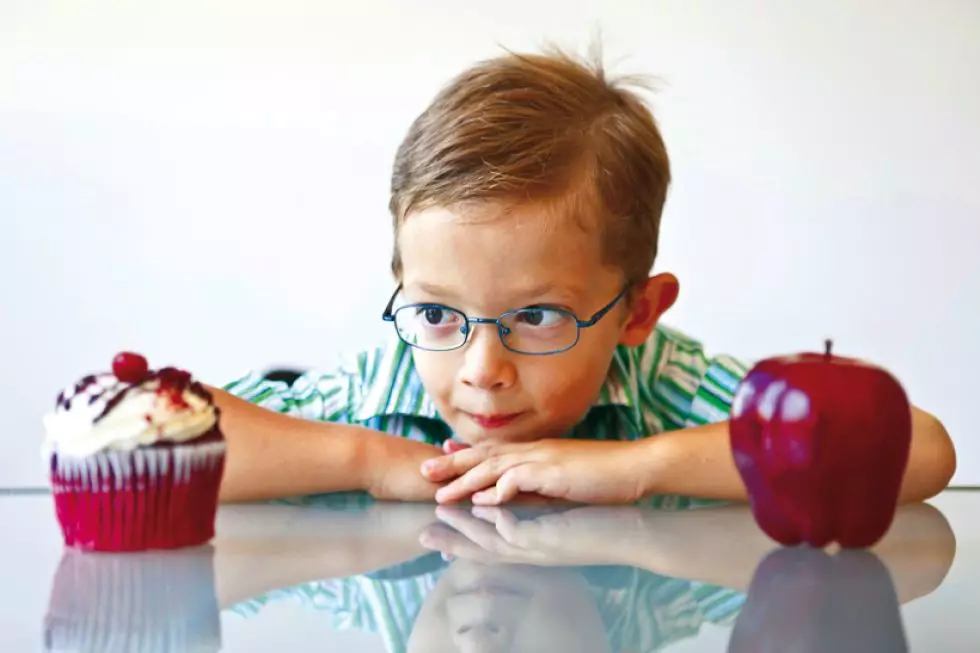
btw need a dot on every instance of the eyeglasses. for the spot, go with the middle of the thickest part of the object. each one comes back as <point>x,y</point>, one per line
<point>536,330</point>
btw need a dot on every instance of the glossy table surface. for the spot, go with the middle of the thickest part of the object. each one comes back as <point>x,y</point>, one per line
<point>345,574</point>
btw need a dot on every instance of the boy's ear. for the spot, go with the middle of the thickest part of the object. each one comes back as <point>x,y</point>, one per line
<point>650,303</point>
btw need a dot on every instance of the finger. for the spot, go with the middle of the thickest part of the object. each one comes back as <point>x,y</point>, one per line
<point>462,521</point>
<point>488,514</point>
<point>451,543</point>
<point>513,481</point>
<point>537,500</point>
<point>445,514</point>
<point>453,465</point>
<point>451,446</point>
<point>483,475</point>
<point>513,530</point>
<point>477,531</point>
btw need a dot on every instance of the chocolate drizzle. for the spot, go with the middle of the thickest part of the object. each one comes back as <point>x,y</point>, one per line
<point>81,386</point>
<point>112,403</point>
<point>173,382</point>
<point>198,390</point>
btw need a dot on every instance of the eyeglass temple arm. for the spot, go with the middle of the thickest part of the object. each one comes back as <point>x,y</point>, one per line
<point>387,316</point>
<point>602,311</point>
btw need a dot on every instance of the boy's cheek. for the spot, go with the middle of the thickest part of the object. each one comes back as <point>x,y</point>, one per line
<point>437,372</point>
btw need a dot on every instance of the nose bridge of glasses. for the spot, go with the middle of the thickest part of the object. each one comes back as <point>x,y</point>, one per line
<point>488,349</point>
<point>501,327</point>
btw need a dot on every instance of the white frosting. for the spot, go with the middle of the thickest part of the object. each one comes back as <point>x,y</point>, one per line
<point>142,417</point>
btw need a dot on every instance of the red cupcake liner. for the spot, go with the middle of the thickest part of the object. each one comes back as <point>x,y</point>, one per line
<point>160,497</point>
<point>157,601</point>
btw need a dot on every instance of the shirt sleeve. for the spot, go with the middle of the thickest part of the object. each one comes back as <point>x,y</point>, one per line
<point>316,395</point>
<point>712,400</point>
<point>688,386</point>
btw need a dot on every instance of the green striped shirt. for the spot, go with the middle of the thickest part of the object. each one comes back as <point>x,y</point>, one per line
<point>667,383</point>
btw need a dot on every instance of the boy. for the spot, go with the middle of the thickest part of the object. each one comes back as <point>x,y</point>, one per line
<point>526,202</point>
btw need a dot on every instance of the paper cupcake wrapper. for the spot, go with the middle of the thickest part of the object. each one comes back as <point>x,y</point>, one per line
<point>147,498</point>
<point>159,602</point>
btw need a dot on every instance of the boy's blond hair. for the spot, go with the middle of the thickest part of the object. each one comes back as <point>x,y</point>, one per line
<point>541,128</point>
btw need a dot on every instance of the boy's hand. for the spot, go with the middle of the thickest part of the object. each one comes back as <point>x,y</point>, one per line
<point>580,471</point>
<point>392,469</point>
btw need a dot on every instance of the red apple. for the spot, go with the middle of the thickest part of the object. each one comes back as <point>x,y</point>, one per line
<point>821,443</point>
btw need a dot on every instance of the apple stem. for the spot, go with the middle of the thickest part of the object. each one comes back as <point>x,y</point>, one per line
<point>827,346</point>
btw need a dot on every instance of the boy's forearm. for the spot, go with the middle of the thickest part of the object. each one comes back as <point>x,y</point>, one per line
<point>698,462</point>
<point>272,455</point>
<point>694,462</point>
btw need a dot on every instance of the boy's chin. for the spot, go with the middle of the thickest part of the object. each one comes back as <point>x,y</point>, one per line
<point>473,437</point>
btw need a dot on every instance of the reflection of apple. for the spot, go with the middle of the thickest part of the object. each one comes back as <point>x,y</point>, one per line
<point>821,443</point>
<point>802,599</point>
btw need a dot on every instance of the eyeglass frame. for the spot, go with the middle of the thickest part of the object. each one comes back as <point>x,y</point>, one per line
<point>389,316</point>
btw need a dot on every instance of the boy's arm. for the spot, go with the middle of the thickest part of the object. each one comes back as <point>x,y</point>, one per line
<point>698,462</point>
<point>271,455</point>
<point>694,462</point>
<point>685,388</point>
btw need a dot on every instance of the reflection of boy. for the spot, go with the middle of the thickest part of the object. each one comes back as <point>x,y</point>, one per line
<point>627,574</point>
<point>432,606</point>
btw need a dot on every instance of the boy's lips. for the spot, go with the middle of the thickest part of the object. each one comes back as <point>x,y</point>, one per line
<point>493,421</point>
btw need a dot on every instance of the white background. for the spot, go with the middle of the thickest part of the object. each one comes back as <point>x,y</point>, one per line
<point>206,182</point>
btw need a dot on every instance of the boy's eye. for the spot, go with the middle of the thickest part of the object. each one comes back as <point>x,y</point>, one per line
<point>435,316</point>
<point>541,317</point>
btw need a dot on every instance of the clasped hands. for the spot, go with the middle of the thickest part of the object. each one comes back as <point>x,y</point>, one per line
<point>576,471</point>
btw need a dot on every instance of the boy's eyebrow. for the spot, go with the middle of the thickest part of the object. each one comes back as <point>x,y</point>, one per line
<point>566,291</point>
<point>434,289</point>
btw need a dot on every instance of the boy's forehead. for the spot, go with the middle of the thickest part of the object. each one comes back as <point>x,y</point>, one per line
<point>510,250</point>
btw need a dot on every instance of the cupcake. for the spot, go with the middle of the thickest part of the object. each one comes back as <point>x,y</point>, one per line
<point>135,459</point>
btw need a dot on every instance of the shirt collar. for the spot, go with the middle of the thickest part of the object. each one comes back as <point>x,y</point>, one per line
<point>395,388</point>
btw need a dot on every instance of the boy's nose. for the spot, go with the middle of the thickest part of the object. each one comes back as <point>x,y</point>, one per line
<point>487,363</point>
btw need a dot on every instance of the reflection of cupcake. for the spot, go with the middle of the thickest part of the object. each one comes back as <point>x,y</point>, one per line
<point>135,459</point>
<point>158,601</point>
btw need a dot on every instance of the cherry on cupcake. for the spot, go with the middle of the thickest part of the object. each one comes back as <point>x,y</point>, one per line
<point>129,367</point>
